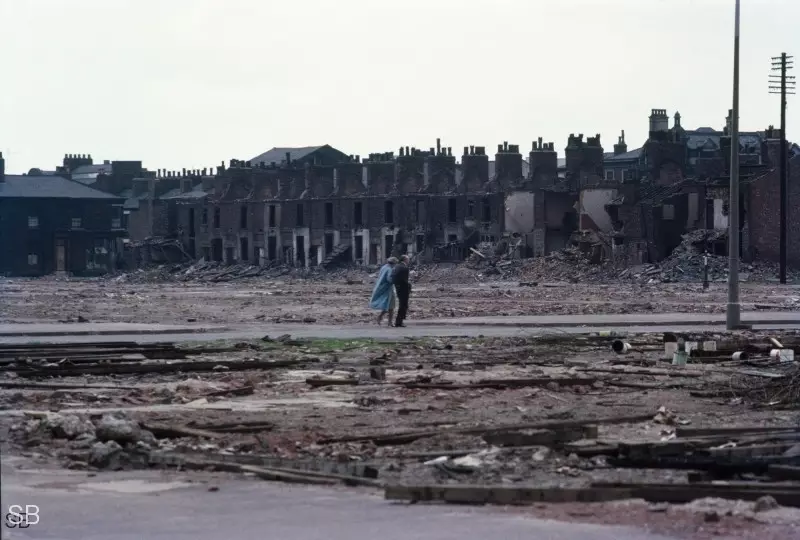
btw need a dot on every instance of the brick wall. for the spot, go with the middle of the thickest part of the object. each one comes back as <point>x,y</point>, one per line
<point>764,215</point>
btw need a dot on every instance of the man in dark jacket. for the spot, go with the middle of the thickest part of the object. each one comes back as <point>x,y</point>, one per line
<point>403,288</point>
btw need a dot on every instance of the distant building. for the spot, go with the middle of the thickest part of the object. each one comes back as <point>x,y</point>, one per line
<point>49,223</point>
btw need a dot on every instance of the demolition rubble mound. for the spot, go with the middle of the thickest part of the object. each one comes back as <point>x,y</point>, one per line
<point>684,265</point>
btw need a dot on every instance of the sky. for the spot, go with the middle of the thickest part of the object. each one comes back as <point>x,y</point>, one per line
<point>190,83</point>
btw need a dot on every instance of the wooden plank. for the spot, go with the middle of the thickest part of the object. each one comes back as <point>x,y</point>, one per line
<point>502,384</point>
<point>343,469</point>
<point>502,495</point>
<point>541,437</point>
<point>677,372</point>
<point>318,382</point>
<point>172,367</point>
<point>63,386</point>
<point>784,472</point>
<point>170,432</point>
<point>731,431</point>
<point>382,439</point>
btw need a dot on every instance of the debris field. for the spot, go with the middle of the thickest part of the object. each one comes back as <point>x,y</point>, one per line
<point>484,420</point>
<point>345,300</point>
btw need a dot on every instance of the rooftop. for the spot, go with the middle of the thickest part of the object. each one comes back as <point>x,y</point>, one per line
<point>278,155</point>
<point>47,187</point>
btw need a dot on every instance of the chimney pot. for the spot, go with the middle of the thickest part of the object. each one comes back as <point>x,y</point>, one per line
<point>499,148</point>
<point>466,150</point>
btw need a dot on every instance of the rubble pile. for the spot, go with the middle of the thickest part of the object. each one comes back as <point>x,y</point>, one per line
<point>489,262</point>
<point>686,263</point>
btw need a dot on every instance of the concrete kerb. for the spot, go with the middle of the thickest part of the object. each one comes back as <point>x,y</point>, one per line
<point>579,321</point>
<point>112,332</point>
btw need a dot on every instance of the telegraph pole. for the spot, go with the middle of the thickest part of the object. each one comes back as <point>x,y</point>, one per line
<point>734,307</point>
<point>783,84</point>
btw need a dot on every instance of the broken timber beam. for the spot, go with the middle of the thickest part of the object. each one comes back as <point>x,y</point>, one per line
<point>172,432</point>
<point>410,436</point>
<point>730,431</point>
<point>502,384</point>
<point>318,382</point>
<point>173,367</point>
<point>541,437</point>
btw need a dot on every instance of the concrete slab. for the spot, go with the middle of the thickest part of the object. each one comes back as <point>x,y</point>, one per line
<point>639,319</point>
<point>100,329</point>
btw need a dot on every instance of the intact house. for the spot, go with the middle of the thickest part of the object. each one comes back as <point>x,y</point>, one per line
<point>49,224</point>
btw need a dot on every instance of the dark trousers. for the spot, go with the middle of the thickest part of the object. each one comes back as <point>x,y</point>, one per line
<point>403,294</point>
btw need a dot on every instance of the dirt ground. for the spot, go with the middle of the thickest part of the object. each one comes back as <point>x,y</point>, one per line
<point>281,417</point>
<point>344,301</point>
<point>400,388</point>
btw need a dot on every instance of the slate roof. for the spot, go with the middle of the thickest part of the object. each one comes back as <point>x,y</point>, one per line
<point>88,173</point>
<point>633,154</point>
<point>278,155</point>
<point>699,137</point>
<point>48,187</point>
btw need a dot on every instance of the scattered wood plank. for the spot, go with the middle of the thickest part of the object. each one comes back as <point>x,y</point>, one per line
<point>240,391</point>
<point>646,371</point>
<point>541,437</point>
<point>783,472</point>
<point>318,382</point>
<point>63,386</point>
<point>343,469</point>
<point>176,432</point>
<point>732,431</point>
<point>385,439</point>
<point>502,384</point>
<point>171,367</point>
<point>292,476</point>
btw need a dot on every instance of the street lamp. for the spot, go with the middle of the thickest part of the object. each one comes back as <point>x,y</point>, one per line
<point>734,307</point>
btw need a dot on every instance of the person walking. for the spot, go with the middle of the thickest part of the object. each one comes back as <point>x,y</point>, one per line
<point>383,293</point>
<point>400,276</point>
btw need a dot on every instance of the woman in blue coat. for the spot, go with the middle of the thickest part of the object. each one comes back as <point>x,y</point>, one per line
<point>383,293</point>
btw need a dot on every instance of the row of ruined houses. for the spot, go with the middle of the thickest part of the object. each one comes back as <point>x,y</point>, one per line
<point>316,205</point>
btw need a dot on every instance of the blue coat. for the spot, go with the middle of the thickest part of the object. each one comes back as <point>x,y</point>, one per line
<point>382,294</point>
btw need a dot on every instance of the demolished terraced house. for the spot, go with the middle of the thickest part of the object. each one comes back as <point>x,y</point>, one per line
<point>316,205</point>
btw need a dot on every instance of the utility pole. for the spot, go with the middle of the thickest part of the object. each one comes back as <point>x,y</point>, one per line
<point>783,84</point>
<point>734,307</point>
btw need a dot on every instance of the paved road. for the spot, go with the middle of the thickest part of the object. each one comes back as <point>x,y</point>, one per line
<point>74,507</point>
<point>373,332</point>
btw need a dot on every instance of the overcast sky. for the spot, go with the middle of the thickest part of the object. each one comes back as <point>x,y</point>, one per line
<point>189,83</point>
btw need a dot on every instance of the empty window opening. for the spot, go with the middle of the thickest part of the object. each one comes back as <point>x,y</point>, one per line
<point>451,210</point>
<point>244,249</point>
<point>388,211</point>
<point>358,214</point>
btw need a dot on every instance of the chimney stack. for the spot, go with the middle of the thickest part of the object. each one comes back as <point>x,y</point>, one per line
<point>2,168</point>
